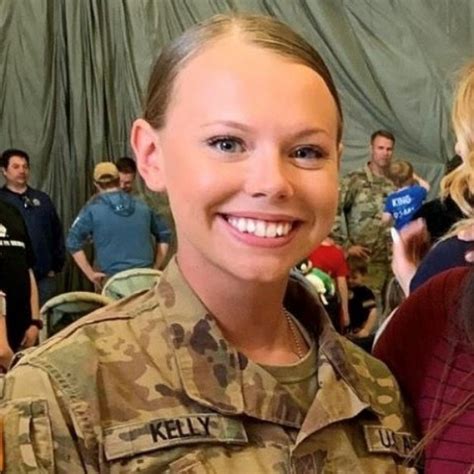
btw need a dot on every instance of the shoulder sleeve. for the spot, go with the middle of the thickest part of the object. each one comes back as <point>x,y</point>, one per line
<point>376,385</point>
<point>368,295</point>
<point>80,230</point>
<point>38,435</point>
<point>442,256</point>
<point>159,228</point>
<point>419,192</point>
<point>423,193</point>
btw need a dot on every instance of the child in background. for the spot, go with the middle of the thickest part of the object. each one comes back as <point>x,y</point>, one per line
<point>329,258</point>
<point>409,196</point>
<point>362,305</point>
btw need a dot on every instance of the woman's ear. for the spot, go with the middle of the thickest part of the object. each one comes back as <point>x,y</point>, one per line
<point>146,146</point>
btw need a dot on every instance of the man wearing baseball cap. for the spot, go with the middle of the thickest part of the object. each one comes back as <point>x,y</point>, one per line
<point>120,226</point>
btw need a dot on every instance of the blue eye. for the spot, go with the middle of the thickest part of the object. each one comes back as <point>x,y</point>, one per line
<point>307,153</point>
<point>227,144</point>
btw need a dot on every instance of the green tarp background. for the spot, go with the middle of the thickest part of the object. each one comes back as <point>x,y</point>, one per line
<point>72,74</point>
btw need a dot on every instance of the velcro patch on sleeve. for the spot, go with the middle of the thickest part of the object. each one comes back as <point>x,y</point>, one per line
<point>381,439</point>
<point>27,444</point>
<point>128,440</point>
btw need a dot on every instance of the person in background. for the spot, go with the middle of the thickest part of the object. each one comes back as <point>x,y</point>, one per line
<point>330,258</point>
<point>41,218</point>
<point>429,342</point>
<point>120,225</point>
<point>6,352</point>
<point>20,321</point>
<point>456,186</point>
<point>441,213</point>
<point>358,226</point>
<point>230,363</point>
<point>127,169</point>
<point>409,196</point>
<point>362,304</point>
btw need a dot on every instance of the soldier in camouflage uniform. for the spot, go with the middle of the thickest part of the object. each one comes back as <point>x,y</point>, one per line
<point>358,225</point>
<point>228,365</point>
<point>163,391</point>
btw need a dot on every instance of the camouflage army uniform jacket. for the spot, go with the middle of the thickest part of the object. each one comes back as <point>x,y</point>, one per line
<point>359,218</point>
<point>150,385</point>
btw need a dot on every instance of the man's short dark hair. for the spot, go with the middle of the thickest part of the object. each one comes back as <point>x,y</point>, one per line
<point>9,153</point>
<point>126,165</point>
<point>382,133</point>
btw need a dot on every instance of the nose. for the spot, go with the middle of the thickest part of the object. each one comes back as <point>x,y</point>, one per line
<point>269,175</point>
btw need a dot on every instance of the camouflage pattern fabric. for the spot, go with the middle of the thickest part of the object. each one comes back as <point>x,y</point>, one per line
<point>377,278</point>
<point>148,384</point>
<point>359,218</point>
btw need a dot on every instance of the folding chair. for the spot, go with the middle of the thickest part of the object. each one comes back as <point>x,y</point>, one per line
<point>126,283</point>
<point>62,310</point>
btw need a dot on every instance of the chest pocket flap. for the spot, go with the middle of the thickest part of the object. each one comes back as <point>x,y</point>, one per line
<point>131,439</point>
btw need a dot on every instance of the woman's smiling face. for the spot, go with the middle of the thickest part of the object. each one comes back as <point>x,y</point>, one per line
<point>249,158</point>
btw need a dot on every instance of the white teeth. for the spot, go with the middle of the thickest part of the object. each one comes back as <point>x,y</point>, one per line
<point>251,226</point>
<point>259,227</point>
<point>271,230</point>
<point>279,229</point>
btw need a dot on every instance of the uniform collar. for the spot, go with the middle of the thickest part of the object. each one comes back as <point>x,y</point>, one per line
<point>216,375</point>
<point>368,173</point>
<point>371,177</point>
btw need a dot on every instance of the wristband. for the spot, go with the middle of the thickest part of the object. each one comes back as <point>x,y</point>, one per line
<point>38,323</point>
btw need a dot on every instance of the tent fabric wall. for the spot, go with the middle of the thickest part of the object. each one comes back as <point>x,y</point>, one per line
<point>73,74</point>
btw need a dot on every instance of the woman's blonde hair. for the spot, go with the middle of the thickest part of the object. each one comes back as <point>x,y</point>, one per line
<point>262,31</point>
<point>459,184</point>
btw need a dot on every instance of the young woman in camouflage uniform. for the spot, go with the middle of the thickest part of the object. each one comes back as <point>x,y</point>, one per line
<point>229,364</point>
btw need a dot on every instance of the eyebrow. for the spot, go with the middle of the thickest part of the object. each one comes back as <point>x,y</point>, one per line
<point>308,132</point>
<point>240,126</point>
<point>228,123</point>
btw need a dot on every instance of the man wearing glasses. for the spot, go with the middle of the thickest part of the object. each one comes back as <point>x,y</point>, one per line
<point>40,216</point>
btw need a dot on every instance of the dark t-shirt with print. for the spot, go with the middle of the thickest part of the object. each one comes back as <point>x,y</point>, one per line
<point>361,302</point>
<point>16,258</point>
